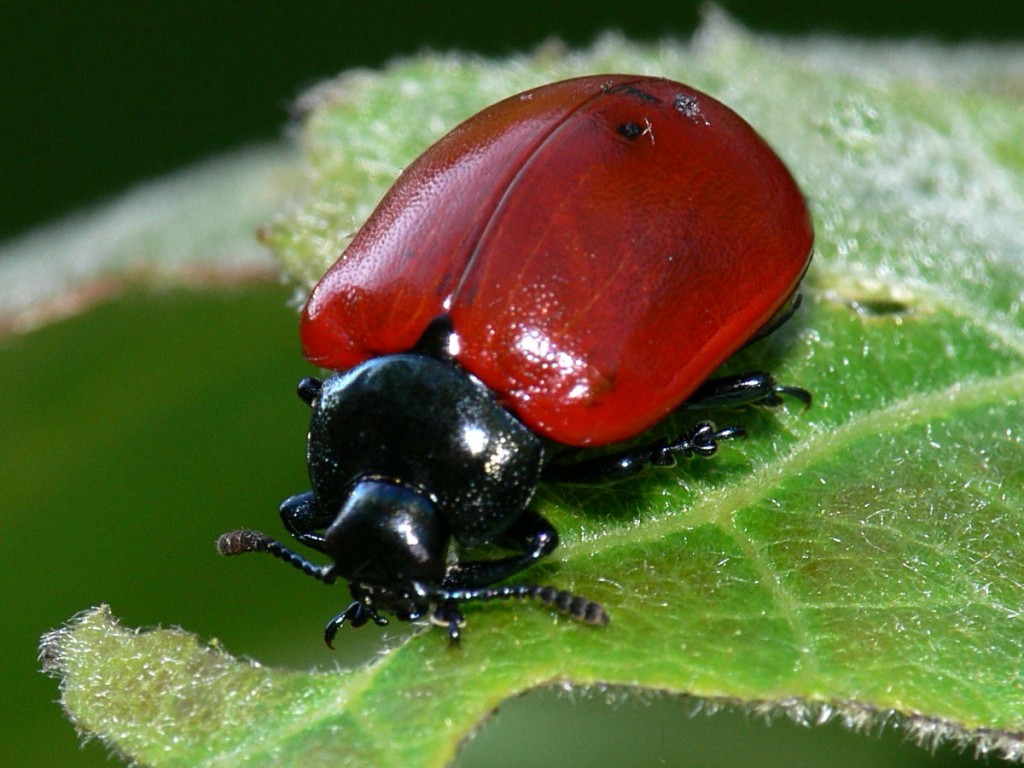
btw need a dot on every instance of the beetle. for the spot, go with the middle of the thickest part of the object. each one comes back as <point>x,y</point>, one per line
<point>559,272</point>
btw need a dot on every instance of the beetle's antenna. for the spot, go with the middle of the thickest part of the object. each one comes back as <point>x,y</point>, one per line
<point>573,606</point>
<point>246,540</point>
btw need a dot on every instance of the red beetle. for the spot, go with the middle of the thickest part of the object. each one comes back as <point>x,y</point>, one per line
<point>564,268</point>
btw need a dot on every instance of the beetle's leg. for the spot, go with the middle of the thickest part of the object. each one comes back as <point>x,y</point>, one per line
<point>701,440</point>
<point>240,542</point>
<point>447,615</point>
<point>302,518</point>
<point>356,615</point>
<point>534,536</point>
<point>752,388</point>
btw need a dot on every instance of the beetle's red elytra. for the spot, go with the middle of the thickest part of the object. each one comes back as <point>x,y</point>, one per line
<point>601,245</point>
<point>566,267</point>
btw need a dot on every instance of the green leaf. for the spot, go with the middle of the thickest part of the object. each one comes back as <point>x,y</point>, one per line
<point>860,560</point>
<point>195,227</point>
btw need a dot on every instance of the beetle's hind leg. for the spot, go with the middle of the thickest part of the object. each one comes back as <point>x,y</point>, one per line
<point>701,440</point>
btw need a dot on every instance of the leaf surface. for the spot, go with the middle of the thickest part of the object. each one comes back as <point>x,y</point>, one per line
<point>861,559</point>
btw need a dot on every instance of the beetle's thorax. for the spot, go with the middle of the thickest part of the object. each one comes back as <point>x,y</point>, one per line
<point>426,425</point>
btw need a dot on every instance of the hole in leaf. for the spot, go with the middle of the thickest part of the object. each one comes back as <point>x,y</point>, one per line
<point>878,306</point>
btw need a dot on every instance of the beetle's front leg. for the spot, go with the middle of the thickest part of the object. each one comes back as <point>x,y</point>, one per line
<point>533,535</point>
<point>356,614</point>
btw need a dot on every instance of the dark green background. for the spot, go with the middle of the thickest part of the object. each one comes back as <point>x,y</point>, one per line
<point>120,468</point>
<point>97,95</point>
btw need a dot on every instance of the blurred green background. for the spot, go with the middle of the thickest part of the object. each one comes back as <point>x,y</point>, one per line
<point>98,94</point>
<point>134,434</point>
